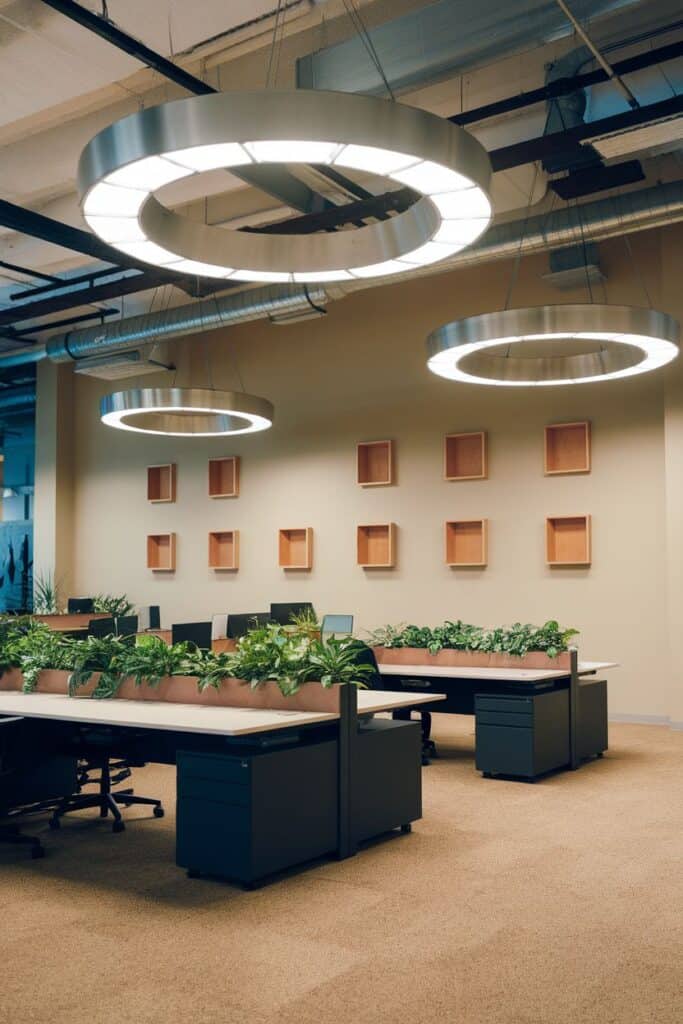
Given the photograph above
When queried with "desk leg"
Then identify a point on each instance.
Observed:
(348, 729)
(574, 759)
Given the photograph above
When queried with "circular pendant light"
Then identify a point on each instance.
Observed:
(581, 343)
(186, 412)
(123, 166)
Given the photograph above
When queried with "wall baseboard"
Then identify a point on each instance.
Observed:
(643, 719)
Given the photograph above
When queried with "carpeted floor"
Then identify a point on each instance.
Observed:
(554, 903)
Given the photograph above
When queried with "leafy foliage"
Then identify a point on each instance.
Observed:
(518, 639)
(112, 605)
(46, 600)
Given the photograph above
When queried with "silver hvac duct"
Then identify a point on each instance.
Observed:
(217, 311)
(16, 399)
(603, 218)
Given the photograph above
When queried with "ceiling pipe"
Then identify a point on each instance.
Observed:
(17, 398)
(605, 218)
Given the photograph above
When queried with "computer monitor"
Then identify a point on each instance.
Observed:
(126, 626)
(198, 633)
(282, 613)
(238, 625)
(80, 605)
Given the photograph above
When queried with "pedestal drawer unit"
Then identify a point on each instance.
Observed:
(522, 736)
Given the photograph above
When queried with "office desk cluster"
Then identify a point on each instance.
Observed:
(261, 790)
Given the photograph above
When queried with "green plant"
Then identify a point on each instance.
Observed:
(112, 605)
(150, 660)
(96, 654)
(46, 589)
(305, 622)
(44, 649)
(517, 640)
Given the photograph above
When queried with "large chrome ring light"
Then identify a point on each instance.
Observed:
(122, 167)
(186, 412)
(624, 340)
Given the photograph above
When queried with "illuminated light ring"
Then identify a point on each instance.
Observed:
(638, 340)
(186, 412)
(124, 165)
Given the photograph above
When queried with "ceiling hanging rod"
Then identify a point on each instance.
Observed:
(602, 61)
(278, 182)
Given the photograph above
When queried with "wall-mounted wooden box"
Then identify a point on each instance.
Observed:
(296, 548)
(568, 540)
(161, 483)
(161, 552)
(375, 461)
(465, 456)
(224, 550)
(224, 477)
(466, 542)
(376, 546)
(567, 448)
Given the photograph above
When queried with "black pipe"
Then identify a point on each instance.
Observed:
(29, 273)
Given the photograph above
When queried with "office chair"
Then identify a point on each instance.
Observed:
(282, 613)
(29, 784)
(198, 633)
(336, 625)
(101, 627)
(239, 625)
(366, 656)
(80, 605)
(126, 627)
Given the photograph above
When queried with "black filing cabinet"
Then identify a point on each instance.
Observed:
(522, 735)
(527, 735)
(386, 778)
(246, 815)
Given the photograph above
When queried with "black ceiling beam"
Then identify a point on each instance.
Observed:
(566, 142)
(58, 283)
(565, 86)
(378, 207)
(28, 222)
(28, 273)
(66, 321)
(272, 179)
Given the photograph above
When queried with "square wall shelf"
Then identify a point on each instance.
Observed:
(296, 548)
(376, 546)
(161, 483)
(224, 477)
(161, 552)
(466, 542)
(567, 448)
(465, 456)
(375, 461)
(224, 550)
(568, 540)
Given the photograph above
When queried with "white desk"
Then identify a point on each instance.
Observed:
(195, 718)
(506, 675)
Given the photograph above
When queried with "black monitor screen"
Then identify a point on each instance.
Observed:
(238, 625)
(198, 633)
(282, 613)
(80, 605)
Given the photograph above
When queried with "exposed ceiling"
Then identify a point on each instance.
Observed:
(61, 83)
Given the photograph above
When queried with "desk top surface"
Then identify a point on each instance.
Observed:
(195, 718)
(508, 675)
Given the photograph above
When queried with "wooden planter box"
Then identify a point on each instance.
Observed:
(234, 693)
(468, 659)
(49, 681)
(12, 679)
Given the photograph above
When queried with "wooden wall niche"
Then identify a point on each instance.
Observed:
(568, 540)
(467, 543)
(224, 550)
(161, 483)
(375, 463)
(296, 548)
(376, 546)
(466, 456)
(161, 552)
(224, 477)
(567, 448)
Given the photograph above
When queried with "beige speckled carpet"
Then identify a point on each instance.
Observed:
(554, 903)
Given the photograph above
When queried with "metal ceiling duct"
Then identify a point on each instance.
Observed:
(17, 399)
(604, 218)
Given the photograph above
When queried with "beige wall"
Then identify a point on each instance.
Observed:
(360, 374)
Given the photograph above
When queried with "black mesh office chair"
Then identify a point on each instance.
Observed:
(28, 783)
(101, 627)
(366, 656)
(197, 633)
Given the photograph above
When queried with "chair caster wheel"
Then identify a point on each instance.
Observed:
(405, 829)
(54, 824)
(158, 812)
(192, 873)
(37, 852)
(118, 826)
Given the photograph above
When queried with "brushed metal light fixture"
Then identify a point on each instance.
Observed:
(613, 341)
(186, 412)
(122, 168)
